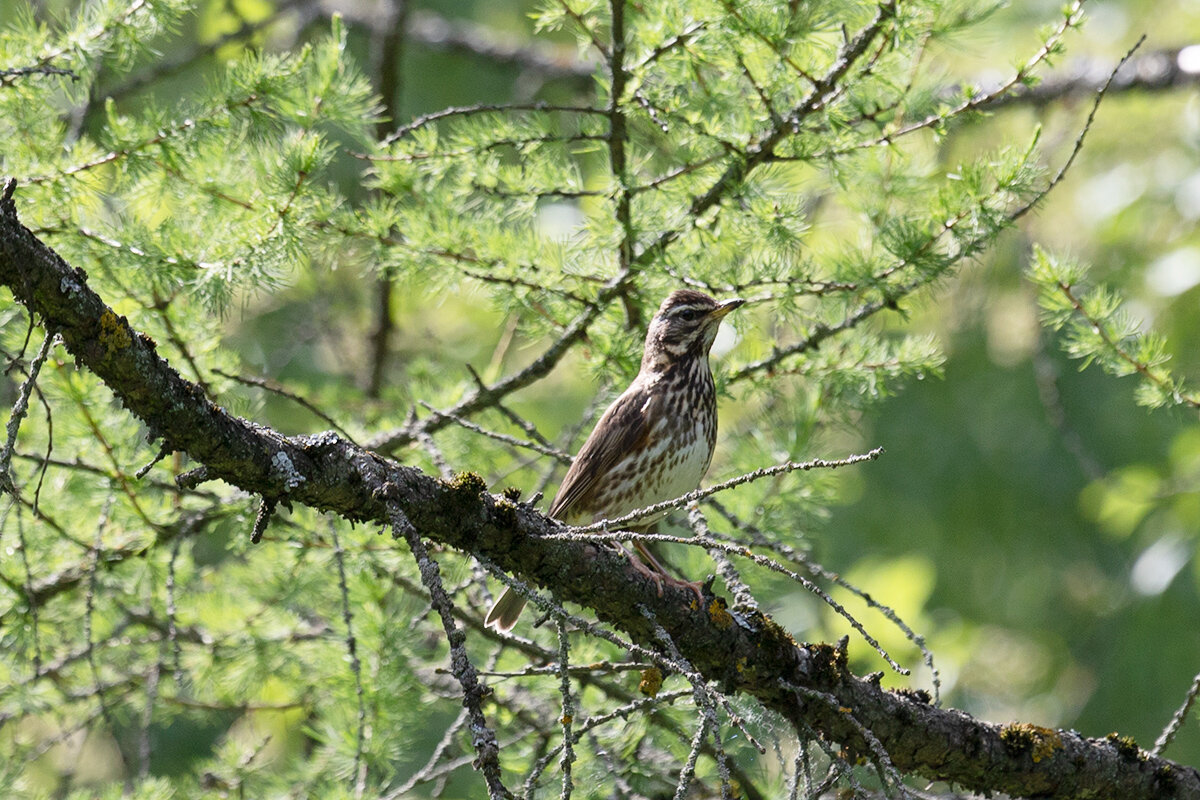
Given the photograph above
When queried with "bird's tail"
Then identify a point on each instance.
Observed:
(504, 612)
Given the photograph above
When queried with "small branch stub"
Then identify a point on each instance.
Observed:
(265, 510)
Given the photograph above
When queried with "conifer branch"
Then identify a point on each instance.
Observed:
(1116, 346)
(1168, 735)
(483, 738)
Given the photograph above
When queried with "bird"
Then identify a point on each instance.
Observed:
(656, 440)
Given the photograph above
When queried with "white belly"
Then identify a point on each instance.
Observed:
(673, 475)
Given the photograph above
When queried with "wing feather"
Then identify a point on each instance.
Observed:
(624, 427)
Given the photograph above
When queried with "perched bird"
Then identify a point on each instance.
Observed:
(655, 441)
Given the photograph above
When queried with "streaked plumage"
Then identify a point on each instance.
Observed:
(655, 441)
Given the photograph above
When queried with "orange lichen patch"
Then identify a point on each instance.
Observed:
(652, 681)
(720, 617)
(113, 334)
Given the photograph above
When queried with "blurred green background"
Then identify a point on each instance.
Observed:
(1033, 523)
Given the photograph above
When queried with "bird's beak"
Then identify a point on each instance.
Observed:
(729, 305)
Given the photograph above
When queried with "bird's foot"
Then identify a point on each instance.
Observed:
(661, 578)
(649, 572)
(694, 586)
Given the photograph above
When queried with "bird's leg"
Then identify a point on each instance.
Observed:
(658, 573)
(654, 572)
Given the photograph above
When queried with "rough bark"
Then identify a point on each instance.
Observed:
(809, 685)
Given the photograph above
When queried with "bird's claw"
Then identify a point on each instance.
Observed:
(649, 572)
(661, 577)
(694, 586)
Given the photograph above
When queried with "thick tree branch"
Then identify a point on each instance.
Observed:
(809, 685)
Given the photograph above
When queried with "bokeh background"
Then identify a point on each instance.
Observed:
(1035, 524)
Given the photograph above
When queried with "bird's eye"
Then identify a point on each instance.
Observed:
(690, 314)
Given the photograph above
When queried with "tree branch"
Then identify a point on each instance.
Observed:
(553, 62)
(743, 652)
(1156, 71)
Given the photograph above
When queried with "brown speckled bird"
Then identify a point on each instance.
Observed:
(655, 441)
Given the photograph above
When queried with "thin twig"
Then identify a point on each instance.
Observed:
(1156, 71)
(800, 766)
(579, 20)
(1168, 734)
(164, 134)
(44, 466)
(28, 590)
(483, 738)
(889, 776)
(560, 455)
(484, 108)
(20, 408)
(708, 717)
(760, 539)
(148, 718)
(742, 596)
(699, 494)
(89, 611)
(1083, 132)
(568, 710)
(1071, 17)
(622, 712)
(688, 770)
(172, 614)
(704, 699)
(360, 765)
(436, 456)
(1141, 367)
(822, 331)
(743, 163)
(166, 67)
(740, 550)
(9, 76)
(429, 771)
(577, 670)
(273, 387)
(485, 397)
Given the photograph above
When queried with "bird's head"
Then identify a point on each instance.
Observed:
(684, 326)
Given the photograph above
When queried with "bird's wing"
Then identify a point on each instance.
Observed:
(625, 426)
